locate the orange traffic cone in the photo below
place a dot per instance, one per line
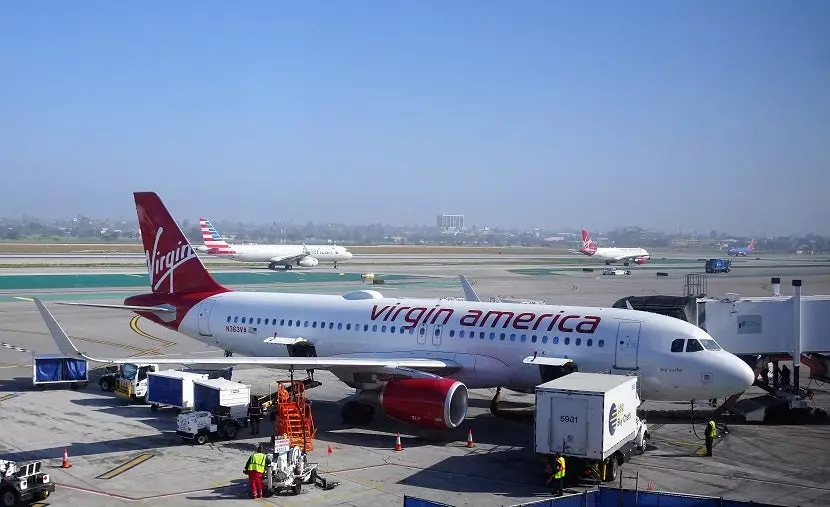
(65, 463)
(398, 446)
(470, 438)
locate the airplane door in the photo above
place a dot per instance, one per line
(628, 340)
(421, 333)
(204, 316)
(430, 333)
(436, 332)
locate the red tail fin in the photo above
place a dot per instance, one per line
(751, 245)
(172, 264)
(588, 246)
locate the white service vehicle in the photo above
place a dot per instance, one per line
(22, 482)
(616, 272)
(200, 426)
(288, 469)
(591, 420)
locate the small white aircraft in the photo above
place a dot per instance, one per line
(612, 255)
(307, 256)
(414, 358)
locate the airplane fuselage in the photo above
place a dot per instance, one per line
(619, 254)
(489, 341)
(265, 253)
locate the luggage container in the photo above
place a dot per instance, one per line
(50, 369)
(212, 394)
(591, 420)
(172, 388)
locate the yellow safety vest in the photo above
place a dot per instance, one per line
(711, 430)
(561, 473)
(256, 463)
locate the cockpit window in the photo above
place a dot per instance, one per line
(693, 346)
(677, 345)
(711, 345)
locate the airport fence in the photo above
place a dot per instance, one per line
(615, 497)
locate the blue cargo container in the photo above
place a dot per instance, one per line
(59, 369)
(172, 388)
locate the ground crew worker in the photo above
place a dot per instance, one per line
(711, 433)
(254, 468)
(558, 475)
(255, 414)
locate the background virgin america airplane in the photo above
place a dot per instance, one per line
(306, 256)
(414, 358)
(612, 255)
(743, 251)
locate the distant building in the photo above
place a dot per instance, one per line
(450, 223)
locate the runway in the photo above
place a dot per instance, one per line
(108, 442)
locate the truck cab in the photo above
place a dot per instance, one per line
(128, 380)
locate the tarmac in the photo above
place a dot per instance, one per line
(127, 455)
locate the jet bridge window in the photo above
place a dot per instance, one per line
(693, 346)
(677, 345)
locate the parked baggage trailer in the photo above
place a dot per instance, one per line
(172, 388)
(59, 369)
(591, 420)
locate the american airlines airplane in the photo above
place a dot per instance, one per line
(414, 359)
(307, 256)
(612, 255)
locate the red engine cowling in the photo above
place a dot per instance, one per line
(427, 403)
(640, 260)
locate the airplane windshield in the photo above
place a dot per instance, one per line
(128, 371)
(693, 345)
(711, 345)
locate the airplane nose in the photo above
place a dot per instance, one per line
(348, 254)
(743, 376)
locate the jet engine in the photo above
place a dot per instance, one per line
(308, 262)
(640, 260)
(432, 403)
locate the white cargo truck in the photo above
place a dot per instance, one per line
(591, 420)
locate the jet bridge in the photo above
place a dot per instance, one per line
(760, 330)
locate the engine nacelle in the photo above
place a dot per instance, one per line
(425, 402)
(308, 262)
(640, 260)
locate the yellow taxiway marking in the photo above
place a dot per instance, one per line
(141, 458)
(7, 396)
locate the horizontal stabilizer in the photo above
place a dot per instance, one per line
(547, 361)
(122, 307)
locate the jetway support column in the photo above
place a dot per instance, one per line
(796, 299)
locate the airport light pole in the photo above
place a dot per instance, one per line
(796, 301)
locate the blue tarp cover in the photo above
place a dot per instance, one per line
(165, 390)
(60, 369)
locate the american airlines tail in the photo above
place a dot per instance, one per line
(214, 244)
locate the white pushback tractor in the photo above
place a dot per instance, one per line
(23, 482)
(591, 420)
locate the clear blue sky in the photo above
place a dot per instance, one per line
(683, 114)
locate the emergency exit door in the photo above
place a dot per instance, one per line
(204, 316)
(628, 341)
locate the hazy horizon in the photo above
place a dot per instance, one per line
(666, 115)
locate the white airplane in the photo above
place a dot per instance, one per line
(307, 256)
(415, 359)
(612, 255)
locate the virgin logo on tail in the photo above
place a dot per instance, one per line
(162, 265)
(588, 246)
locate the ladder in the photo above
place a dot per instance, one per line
(293, 416)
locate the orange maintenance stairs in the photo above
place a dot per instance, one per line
(293, 415)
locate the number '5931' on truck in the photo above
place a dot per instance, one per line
(591, 420)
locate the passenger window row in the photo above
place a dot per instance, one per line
(589, 342)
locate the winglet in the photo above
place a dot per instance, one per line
(63, 342)
(469, 292)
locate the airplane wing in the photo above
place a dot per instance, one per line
(289, 258)
(404, 366)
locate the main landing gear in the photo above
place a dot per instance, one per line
(355, 413)
(274, 265)
(335, 264)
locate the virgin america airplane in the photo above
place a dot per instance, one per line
(415, 359)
